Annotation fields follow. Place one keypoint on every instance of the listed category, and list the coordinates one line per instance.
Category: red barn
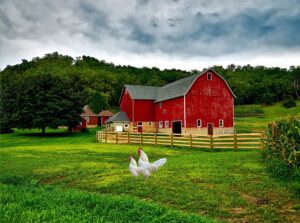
(202, 103)
(104, 116)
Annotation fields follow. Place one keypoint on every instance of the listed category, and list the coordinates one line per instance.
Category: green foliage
(47, 100)
(289, 103)
(283, 148)
(250, 84)
(99, 102)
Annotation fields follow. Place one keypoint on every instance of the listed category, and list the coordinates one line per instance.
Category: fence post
(155, 139)
(171, 139)
(105, 137)
(262, 141)
(211, 143)
(141, 138)
(128, 139)
(116, 137)
(191, 141)
(235, 140)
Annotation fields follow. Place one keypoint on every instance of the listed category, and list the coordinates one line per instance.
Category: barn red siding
(104, 119)
(172, 110)
(209, 100)
(93, 120)
(143, 110)
(126, 104)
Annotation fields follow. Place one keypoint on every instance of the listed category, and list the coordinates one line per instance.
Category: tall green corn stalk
(283, 141)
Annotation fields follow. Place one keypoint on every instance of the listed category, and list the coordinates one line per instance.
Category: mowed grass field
(65, 177)
(270, 114)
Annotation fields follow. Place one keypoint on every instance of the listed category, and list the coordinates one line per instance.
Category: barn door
(176, 127)
(210, 128)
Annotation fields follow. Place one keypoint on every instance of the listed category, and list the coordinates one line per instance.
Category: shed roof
(118, 117)
(106, 113)
(172, 90)
(88, 113)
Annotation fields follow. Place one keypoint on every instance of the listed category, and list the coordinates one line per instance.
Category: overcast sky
(184, 34)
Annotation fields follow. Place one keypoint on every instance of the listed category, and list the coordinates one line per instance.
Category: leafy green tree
(99, 102)
(46, 100)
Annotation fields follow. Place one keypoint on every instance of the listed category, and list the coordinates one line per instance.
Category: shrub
(267, 98)
(289, 103)
(282, 154)
(248, 111)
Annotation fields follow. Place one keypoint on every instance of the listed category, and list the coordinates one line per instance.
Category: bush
(248, 111)
(282, 154)
(268, 98)
(289, 103)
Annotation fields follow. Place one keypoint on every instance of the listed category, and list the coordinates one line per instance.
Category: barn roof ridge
(171, 90)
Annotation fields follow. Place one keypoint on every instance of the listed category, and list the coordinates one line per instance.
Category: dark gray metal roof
(142, 92)
(173, 90)
(118, 117)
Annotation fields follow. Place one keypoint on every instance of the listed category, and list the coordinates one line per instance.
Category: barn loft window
(199, 123)
(221, 123)
(209, 76)
(166, 124)
(160, 124)
(160, 104)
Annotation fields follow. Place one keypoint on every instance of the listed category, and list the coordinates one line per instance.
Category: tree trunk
(43, 130)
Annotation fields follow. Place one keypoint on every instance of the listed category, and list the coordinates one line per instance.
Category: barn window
(160, 124)
(166, 124)
(149, 123)
(160, 104)
(199, 123)
(221, 123)
(209, 76)
(126, 126)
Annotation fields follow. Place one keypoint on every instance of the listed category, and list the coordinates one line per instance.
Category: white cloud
(187, 34)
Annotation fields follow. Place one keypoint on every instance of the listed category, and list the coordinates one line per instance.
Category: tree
(46, 100)
(99, 102)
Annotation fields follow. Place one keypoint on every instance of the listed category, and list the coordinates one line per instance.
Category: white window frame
(209, 74)
(149, 123)
(126, 125)
(160, 124)
(166, 124)
(199, 126)
(160, 104)
(221, 123)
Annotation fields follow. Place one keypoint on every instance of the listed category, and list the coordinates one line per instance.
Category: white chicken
(135, 170)
(145, 164)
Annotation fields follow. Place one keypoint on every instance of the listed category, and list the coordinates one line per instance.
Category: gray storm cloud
(174, 30)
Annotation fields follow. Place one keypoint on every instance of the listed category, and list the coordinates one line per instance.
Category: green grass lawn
(270, 113)
(65, 177)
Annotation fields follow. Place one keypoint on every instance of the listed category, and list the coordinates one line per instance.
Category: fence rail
(229, 141)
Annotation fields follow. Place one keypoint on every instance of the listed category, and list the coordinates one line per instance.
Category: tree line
(51, 90)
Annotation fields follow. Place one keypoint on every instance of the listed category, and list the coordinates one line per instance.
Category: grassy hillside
(268, 115)
(71, 178)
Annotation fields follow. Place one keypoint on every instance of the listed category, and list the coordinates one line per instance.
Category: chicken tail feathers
(160, 162)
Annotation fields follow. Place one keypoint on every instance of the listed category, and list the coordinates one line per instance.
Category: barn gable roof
(172, 90)
(118, 117)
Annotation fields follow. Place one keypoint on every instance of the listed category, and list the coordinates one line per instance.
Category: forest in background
(102, 82)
